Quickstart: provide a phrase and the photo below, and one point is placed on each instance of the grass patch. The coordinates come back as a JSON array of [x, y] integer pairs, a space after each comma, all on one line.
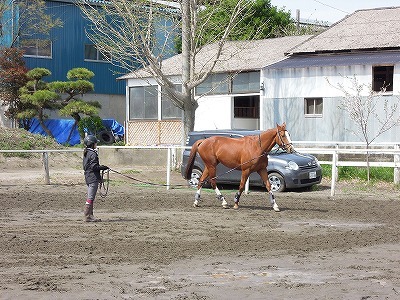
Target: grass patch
[[351, 173], [20, 139]]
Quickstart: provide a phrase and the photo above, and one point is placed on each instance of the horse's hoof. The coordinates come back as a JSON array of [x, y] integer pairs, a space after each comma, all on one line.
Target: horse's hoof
[[235, 206], [276, 208], [226, 206], [196, 205]]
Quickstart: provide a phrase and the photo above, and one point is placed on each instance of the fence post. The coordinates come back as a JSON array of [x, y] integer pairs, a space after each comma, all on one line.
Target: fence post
[[168, 166], [174, 163], [396, 158], [336, 159], [46, 168], [334, 171]]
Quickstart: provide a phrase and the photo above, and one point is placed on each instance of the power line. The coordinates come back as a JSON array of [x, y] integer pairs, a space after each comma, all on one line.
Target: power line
[[346, 12]]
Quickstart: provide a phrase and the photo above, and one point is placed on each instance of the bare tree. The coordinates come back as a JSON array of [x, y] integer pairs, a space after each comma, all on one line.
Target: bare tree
[[361, 102], [125, 30]]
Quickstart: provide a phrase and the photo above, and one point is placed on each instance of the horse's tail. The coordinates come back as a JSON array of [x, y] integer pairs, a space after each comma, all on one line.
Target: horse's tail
[[192, 156]]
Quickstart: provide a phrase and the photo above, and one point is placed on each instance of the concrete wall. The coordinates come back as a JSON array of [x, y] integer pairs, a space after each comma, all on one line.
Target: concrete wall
[[130, 158]]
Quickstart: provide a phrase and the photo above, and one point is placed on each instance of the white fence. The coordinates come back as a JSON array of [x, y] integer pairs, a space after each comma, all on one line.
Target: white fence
[[335, 162], [331, 149]]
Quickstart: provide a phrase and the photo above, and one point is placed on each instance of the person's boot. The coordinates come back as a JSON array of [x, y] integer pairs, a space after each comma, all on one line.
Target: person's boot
[[88, 214], [91, 216]]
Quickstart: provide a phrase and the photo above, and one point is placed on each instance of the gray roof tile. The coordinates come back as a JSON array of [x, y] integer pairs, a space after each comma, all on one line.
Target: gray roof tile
[[364, 29], [236, 56]]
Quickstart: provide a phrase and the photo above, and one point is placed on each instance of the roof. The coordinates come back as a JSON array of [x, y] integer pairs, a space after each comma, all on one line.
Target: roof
[[368, 58], [236, 56], [367, 29]]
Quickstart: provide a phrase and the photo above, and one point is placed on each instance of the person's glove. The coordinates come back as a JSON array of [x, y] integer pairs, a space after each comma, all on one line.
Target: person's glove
[[103, 167]]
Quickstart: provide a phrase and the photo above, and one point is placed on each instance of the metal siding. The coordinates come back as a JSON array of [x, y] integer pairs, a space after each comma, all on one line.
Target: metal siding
[[68, 51], [283, 101]]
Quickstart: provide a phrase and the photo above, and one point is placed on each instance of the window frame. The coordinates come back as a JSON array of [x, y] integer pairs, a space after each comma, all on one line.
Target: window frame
[[214, 84], [99, 55], [166, 100], [388, 75], [247, 112], [148, 105], [313, 114], [246, 82], [35, 45]]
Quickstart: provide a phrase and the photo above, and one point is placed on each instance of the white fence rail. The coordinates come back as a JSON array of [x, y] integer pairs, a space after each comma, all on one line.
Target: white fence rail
[[171, 160]]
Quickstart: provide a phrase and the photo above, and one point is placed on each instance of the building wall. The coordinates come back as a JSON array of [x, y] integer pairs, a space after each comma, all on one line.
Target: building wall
[[68, 51], [214, 112], [283, 101], [112, 106]]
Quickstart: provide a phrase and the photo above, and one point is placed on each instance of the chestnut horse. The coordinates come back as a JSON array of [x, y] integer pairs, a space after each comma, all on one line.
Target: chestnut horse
[[248, 153]]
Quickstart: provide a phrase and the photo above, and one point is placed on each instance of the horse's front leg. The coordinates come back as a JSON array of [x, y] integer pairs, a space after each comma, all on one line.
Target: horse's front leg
[[264, 176], [243, 179], [213, 173]]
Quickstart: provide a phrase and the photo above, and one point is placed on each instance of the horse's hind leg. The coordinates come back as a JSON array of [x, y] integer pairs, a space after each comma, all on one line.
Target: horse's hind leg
[[264, 175], [199, 186]]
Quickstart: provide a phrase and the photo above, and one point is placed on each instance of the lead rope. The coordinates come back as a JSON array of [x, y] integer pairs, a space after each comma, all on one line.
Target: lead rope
[[103, 190], [105, 183]]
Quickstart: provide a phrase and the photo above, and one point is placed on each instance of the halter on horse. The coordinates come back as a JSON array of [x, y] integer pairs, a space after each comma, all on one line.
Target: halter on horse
[[249, 154]]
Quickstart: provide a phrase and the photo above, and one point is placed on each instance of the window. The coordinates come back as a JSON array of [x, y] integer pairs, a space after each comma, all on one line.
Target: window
[[225, 83], [168, 109], [91, 53], [247, 107], [382, 78], [246, 82], [143, 102], [37, 48], [313, 106], [214, 84]]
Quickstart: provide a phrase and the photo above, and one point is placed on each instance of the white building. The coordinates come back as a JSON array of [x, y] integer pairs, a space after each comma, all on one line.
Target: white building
[[303, 89], [229, 98], [294, 79]]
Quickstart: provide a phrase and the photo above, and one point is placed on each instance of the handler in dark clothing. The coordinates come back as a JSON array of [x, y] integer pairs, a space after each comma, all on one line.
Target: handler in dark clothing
[[92, 170]]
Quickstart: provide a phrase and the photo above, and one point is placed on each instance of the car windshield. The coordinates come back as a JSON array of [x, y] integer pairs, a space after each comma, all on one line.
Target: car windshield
[[277, 150]]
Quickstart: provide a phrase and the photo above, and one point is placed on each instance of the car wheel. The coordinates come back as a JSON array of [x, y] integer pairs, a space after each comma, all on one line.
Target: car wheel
[[277, 182], [195, 178]]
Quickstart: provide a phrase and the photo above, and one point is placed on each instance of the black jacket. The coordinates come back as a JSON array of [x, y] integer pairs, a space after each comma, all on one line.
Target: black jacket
[[91, 166]]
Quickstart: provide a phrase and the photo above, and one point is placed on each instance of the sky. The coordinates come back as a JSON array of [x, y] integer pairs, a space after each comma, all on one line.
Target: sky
[[329, 10]]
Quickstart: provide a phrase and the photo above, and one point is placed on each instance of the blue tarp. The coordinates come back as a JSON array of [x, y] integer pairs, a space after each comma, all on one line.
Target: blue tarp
[[60, 128]]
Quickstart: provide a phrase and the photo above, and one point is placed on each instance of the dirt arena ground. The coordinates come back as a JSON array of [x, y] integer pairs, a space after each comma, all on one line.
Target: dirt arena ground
[[152, 244]]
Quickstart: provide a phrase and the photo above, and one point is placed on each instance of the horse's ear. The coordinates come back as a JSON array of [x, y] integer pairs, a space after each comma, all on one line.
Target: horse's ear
[[281, 126]]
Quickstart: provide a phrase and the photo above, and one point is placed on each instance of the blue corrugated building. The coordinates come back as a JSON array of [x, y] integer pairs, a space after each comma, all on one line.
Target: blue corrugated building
[[68, 47]]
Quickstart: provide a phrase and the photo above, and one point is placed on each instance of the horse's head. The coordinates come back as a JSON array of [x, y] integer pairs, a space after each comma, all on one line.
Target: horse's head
[[283, 138]]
